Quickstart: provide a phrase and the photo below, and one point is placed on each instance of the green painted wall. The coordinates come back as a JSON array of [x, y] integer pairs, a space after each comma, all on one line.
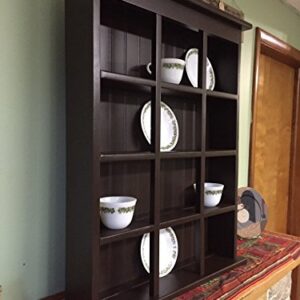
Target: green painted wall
[[32, 135], [32, 148], [283, 22]]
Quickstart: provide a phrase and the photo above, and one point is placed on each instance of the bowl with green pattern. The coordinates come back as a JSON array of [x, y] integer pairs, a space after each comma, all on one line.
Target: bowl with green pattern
[[116, 212]]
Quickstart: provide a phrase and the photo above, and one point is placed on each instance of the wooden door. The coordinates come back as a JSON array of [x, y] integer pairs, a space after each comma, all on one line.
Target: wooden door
[[275, 140], [272, 144]]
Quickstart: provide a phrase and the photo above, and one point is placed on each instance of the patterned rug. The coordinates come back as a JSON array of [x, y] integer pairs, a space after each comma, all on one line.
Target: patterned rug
[[264, 255]]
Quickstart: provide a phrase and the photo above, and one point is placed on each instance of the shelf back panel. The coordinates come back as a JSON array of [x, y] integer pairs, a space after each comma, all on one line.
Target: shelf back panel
[[126, 37], [121, 266], [177, 179], [120, 111], [128, 179], [223, 170]]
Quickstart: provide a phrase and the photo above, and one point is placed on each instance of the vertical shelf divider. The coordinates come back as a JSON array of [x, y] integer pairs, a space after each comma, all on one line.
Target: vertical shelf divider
[[237, 147], [155, 138], [96, 190], [203, 144]]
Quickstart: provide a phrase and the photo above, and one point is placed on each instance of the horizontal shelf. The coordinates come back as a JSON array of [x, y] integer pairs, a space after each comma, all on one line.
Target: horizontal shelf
[[218, 210], [136, 228], [220, 153], [178, 216], [216, 265], [185, 89], [138, 289], [174, 154], [170, 286], [178, 281], [111, 157], [127, 79], [115, 157], [223, 95]]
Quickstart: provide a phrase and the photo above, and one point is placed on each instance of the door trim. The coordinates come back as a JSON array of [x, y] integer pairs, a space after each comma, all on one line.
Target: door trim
[[271, 46]]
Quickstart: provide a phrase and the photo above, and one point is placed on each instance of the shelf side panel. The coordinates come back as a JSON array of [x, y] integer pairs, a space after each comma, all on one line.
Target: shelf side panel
[[81, 92]]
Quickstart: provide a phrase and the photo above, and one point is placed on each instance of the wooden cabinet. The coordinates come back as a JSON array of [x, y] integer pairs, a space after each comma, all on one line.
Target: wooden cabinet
[[108, 44]]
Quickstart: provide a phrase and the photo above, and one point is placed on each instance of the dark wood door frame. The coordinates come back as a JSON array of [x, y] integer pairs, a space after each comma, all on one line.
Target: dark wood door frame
[[281, 51]]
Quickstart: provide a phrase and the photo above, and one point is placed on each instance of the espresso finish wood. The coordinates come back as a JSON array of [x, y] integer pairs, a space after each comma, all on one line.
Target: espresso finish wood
[[82, 153], [109, 44], [59, 296], [269, 47]]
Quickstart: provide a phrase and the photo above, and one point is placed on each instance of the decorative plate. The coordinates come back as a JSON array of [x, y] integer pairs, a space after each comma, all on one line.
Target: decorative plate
[[252, 213], [169, 130], [168, 251], [191, 59]]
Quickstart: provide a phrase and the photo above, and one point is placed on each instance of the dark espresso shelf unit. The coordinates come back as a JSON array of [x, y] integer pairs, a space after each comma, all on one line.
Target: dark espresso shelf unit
[[109, 43]]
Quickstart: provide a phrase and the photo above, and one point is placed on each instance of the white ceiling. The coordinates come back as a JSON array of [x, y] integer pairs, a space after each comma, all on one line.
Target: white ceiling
[[294, 3]]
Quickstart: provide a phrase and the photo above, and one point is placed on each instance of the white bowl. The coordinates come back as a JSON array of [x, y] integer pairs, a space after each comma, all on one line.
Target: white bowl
[[212, 193], [116, 212], [171, 69]]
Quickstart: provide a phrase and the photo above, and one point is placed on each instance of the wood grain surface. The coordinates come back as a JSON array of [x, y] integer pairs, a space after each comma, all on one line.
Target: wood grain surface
[[271, 158]]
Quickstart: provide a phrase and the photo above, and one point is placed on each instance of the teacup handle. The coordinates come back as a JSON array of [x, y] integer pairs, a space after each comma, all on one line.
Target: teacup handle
[[148, 68]]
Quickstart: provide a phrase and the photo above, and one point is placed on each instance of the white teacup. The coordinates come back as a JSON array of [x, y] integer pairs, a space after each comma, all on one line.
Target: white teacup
[[116, 212], [212, 193], [171, 69]]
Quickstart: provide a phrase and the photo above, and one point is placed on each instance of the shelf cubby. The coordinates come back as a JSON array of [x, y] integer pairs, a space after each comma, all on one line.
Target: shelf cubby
[[125, 47], [121, 267], [177, 39], [217, 256], [133, 179], [120, 111], [223, 170], [224, 57], [188, 112], [178, 198], [221, 134], [188, 265]]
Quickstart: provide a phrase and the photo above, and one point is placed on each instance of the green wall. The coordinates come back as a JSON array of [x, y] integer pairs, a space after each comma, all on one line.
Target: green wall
[[32, 148], [32, 135], [283, 22]]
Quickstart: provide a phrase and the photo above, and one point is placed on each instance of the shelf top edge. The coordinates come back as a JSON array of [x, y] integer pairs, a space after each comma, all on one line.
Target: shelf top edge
[[217, 12]]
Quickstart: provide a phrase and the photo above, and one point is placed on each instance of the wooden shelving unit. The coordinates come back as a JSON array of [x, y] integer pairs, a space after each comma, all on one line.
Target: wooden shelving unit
[[109, 42]]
